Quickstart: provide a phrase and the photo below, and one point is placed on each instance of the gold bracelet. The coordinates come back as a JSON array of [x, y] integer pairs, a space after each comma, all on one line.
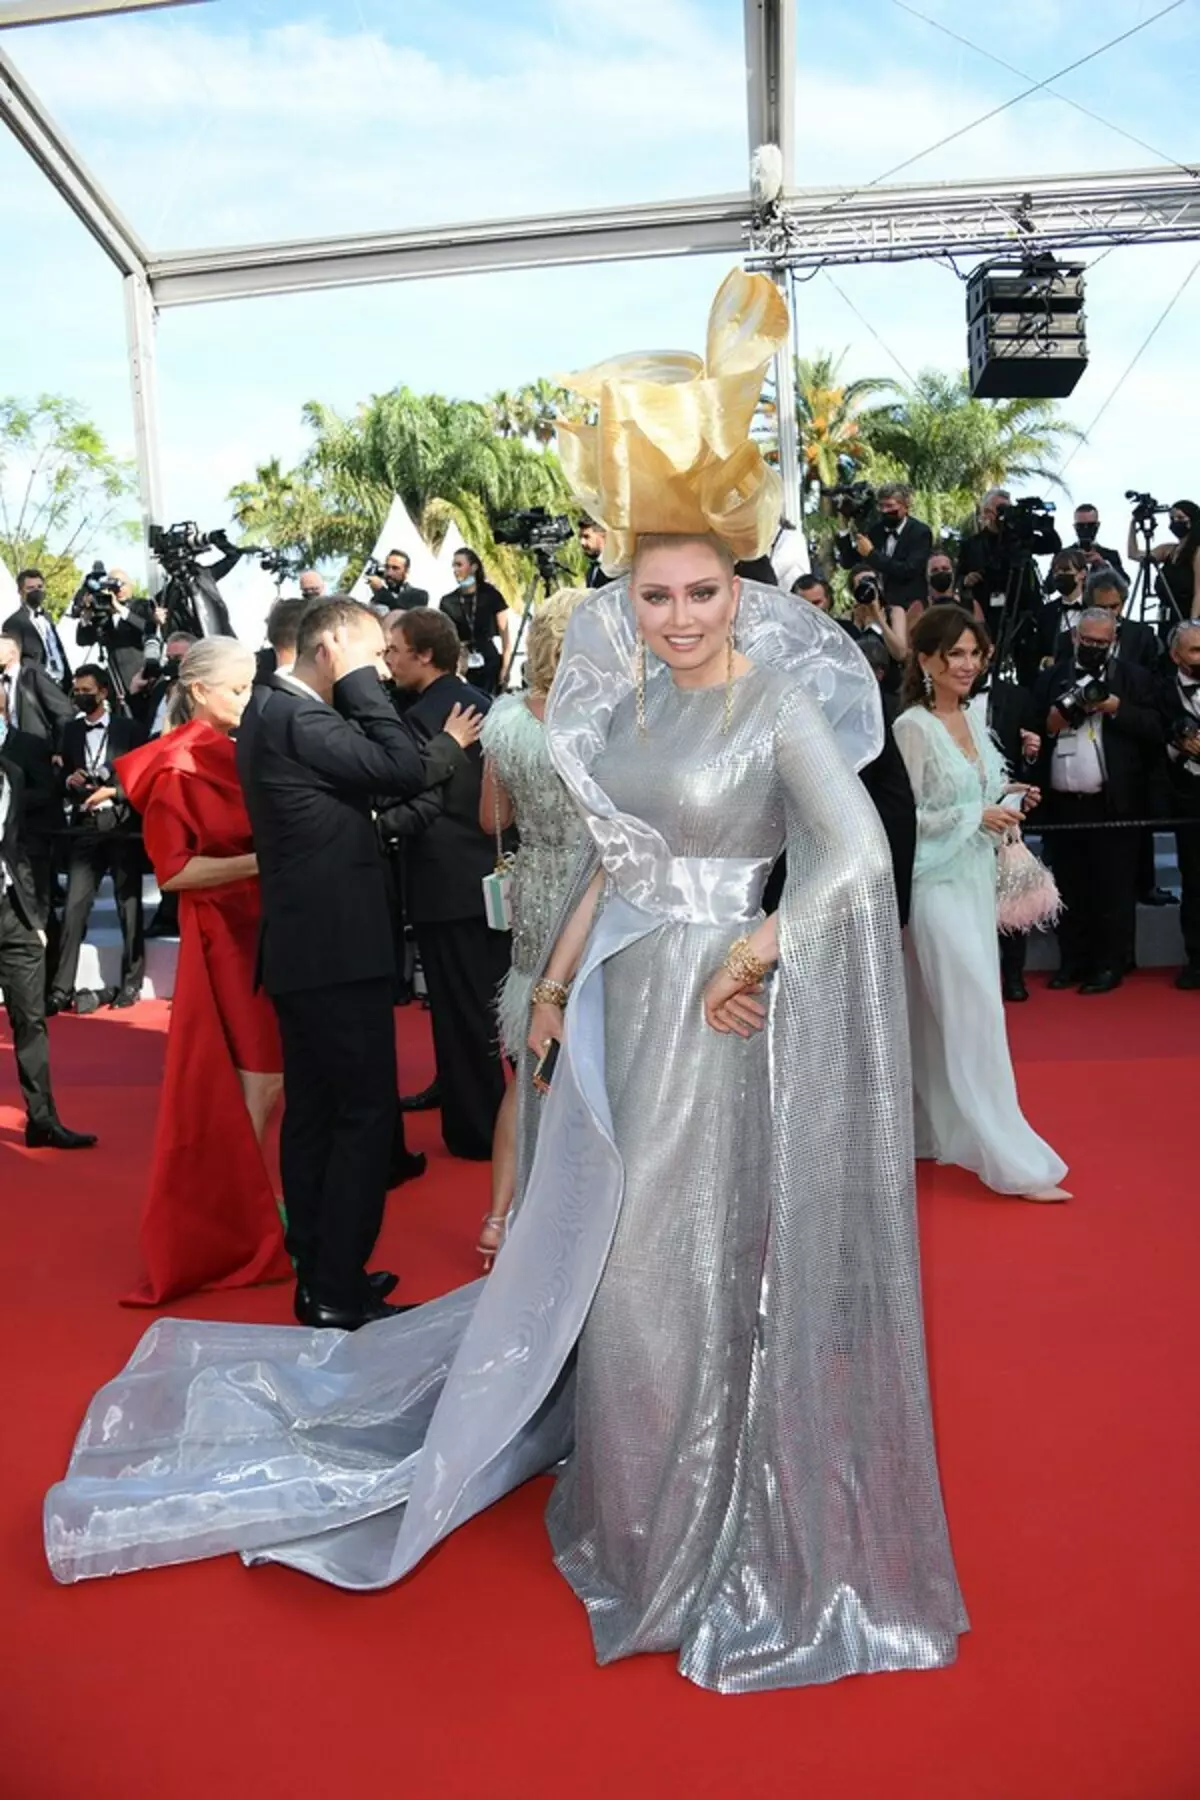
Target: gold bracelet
[[550, 993], [743, 965]]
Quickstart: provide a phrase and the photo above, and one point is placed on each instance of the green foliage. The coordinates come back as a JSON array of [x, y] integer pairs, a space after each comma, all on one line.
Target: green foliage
[[446, 459], [61, 487]]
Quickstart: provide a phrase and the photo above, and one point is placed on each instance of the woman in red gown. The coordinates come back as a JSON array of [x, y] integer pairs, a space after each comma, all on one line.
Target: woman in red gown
[[210, 1218]]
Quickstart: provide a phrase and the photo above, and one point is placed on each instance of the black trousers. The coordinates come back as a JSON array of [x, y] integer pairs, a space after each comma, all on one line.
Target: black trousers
[[464, 963], [335, 1142], [1013, 945], [23, 978], [91, 856], [1096, 873], [1187, 842]]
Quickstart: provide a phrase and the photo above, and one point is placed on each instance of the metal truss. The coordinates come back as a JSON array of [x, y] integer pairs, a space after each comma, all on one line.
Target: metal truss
[[48, 12], [828, 226]]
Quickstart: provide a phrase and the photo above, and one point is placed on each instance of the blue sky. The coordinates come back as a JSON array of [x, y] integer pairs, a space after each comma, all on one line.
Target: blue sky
[[247, 120]]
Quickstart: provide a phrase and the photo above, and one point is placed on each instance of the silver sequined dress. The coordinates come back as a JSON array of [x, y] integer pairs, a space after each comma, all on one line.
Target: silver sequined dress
[[552, 834]]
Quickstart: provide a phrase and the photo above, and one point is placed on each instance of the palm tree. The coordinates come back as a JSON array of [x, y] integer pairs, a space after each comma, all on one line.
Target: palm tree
[[951, 447], [283, 509], [829, 411]]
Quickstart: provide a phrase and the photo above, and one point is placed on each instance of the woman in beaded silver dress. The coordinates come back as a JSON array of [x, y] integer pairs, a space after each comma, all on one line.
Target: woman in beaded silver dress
[[706, 1314], [520, 787]]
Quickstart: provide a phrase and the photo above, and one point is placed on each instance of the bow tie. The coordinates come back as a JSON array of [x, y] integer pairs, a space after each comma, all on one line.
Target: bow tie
[[96, 724], [1188, 687]]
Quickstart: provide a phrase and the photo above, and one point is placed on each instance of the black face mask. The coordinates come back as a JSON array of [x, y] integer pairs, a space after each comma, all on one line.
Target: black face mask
[[1092, 658], [35, 599], [1179, 528], [1063, 584], [941, 581], [1085, 531], [86, 702]]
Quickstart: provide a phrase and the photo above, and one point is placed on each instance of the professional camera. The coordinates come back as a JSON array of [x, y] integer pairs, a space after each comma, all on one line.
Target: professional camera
[[1182, 730], [850, 499], [1081, 698], [534, 529], [1019, 520], [177, 545], [275, 562], [1145, 508], [867, 590], [95, 602]]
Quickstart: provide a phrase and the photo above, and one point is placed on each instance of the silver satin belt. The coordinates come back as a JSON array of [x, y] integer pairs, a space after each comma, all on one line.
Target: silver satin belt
[[694, 890]]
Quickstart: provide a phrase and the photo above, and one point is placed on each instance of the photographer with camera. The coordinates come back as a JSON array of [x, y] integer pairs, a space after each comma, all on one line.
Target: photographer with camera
[[592, 539], [1101, 735], [101, 841], [479, 613], [1179, 707], [151, 688], [896, 545], [1087, 527], [35, 631], [191, 601], [1178, 582], [873, 616], [390, 587], [111, 619], [996, 571]]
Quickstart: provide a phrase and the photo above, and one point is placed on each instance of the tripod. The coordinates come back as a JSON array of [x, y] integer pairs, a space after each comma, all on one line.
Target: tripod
[[1017, 622], [548, 567], [1143, 589]]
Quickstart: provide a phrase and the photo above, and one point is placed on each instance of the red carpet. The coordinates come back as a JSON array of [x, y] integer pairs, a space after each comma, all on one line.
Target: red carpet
[[1065, 1346]]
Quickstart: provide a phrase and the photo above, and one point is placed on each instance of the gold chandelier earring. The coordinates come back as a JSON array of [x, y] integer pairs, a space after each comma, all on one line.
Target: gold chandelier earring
[[730, 653], [639, 683]]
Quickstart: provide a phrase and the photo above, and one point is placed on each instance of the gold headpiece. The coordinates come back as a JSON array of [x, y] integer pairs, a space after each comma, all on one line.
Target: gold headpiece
[[671, 449]]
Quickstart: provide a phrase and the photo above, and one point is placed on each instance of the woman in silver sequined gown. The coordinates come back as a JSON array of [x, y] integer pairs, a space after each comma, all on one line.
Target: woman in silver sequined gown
[[708, 1302]]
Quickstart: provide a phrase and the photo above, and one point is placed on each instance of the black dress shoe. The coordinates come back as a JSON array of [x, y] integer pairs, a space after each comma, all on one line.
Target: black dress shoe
[[1014, 989], [319, 1317], [58, 1002], [1188, 977], [1102, 983], [382, 1283], [87, 1002], [426, 1101], [1064, 978], [125, 996], [406, 1168], [57, 1137], [1158, 896]]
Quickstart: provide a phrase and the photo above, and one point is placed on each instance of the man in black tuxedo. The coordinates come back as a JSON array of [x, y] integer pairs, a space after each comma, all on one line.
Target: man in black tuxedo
[[41, 812], [1104, 587], [393, 591], [283, 629], [23, 970], [1087, 527], [1095, 761], [35, 703], [446, 857], [315, 746], [897, 547], [592, 539], [103, 840], [35, 630], [1179, 708]]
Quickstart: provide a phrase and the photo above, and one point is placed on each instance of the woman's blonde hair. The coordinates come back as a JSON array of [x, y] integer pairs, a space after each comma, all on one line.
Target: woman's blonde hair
[[544, 639], [209, 661]]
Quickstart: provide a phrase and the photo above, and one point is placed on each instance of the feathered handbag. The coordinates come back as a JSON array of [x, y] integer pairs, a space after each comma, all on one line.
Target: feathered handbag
[[1027, 896]]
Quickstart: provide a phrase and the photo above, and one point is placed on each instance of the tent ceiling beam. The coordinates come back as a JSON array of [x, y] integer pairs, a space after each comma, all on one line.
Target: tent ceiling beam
[[50, 12], [36, 131]]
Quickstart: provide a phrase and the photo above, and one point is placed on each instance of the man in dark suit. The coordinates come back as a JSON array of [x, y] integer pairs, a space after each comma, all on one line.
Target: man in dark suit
[[283, 629], [1095, 761], [35, 703], [315, 746], [41, 814], [35, 630], [1136, 642], [446, 857], [393, 591], [1087, 526], [897, 547], [23, 971], [1179, 709], [592, 539], [103, 840], [122, 637], [996, 572]]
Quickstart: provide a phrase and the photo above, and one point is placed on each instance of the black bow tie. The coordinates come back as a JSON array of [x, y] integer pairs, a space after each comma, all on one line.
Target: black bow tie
[[96, 724], [1188, 687]]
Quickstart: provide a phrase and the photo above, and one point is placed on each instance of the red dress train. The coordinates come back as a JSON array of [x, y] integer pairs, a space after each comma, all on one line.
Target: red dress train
[[210, 1218]]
